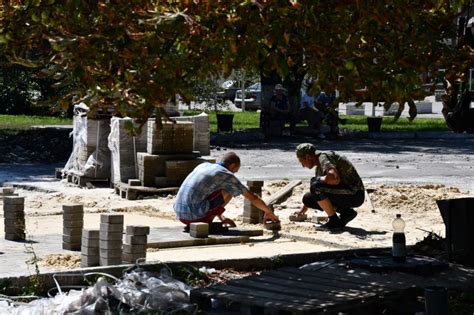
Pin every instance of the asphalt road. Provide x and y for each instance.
(442, 161)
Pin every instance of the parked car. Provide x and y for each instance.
(229, 88)
(253, 97)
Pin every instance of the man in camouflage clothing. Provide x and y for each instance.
(336, 188)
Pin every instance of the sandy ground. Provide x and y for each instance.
(371, 228)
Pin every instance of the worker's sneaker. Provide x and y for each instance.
(186, 229)
(333, 224)
(347, 215)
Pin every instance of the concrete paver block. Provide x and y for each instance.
(110, 236)
(255, 183)
(110, 253)
(133, 249)
(90, 234)
(73, 216)
(136, 239)
(90, 242)
(73, 208)
(71, 246)
(110, 261)
(134, 182)
(132, 258)
(90, 251)
(72, 231)
(110, 245)
(13, 200)
(74, 239)
(111, 218)
(73, 224)
(90, 261)
(14, 216)
(137, 230)
(107, 227)
(8, 190)
(13, 208)
(18, 236)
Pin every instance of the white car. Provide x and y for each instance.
(253, 97)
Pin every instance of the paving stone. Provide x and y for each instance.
(111, 218)
(73, 216)
(8, 190)
(255, 183)
(110, 236)
(90, 251)
(74, 231)
(8, 208)
(90, 234)
(107, 227)
(110, 261)
(73, 208)
(14, 225)
(133, 249)
(15, 236)
(14, 216)
(71, 246)
(75, 239)
(115, 245)
(90, 261)
(13, 200)
(73, 224)
(132, 258)
(137, 230)
(199, 234)
(14, 230)
(90, 242)
(199, 227)
(136, 239)
(110, 253)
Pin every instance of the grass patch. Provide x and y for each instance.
(21, 122)
(244, 120)
(403, 124)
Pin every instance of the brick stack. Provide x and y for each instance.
(14, 214)
(201, 132)
(171, 138)
(199, 229)
(252, 214)
(90, 248)
(123, 147)
(134, 247)
(73, 222)
(110, 239)
(176, 171)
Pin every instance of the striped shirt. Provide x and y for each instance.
(191, 202)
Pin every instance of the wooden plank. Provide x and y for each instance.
(341, 275)
(283, 194)
(318, 294)
(263, 299)
(324, 285)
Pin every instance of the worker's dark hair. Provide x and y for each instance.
(230, 158)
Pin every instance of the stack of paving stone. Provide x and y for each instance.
(252, 214)
(110, 239)
(134, 247)
(73, 222)
(8, 191)
(123, 147)
(90, 248)
(172, 137)
(199, 229)
(202, 133)
(14, 214)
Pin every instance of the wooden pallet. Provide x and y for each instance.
(84, 181)
(133, 192)
(301, 291)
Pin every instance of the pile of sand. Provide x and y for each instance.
(61, 261)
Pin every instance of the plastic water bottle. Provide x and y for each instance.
(399, 249)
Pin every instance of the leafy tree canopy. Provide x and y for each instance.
(134, 56)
